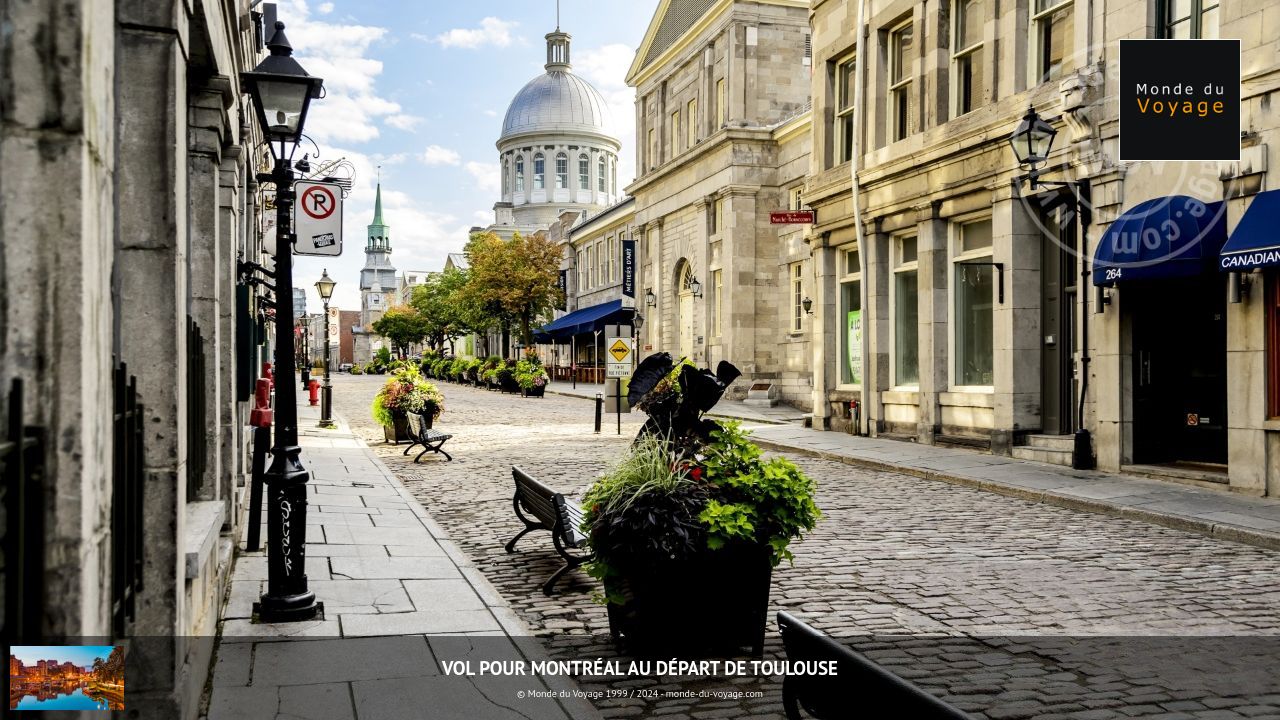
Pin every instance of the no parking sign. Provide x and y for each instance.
(317, 218)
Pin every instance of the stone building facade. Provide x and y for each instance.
(722, 98)
(127, 148)
(956, 303)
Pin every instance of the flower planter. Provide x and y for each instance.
(507, 383)
(535, 391)
(399, 432)
(712, 604)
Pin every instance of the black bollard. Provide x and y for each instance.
(599, 410)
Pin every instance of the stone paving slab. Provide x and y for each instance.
(1255, 521)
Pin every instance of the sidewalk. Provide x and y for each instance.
(729, 409)
(1255, 521)
(400, 599)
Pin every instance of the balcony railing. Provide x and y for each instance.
(22, 468)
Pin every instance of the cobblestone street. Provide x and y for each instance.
(1003, 607)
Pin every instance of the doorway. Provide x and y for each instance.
(1179, 353)
(1058, 313)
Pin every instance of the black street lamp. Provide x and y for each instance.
(1032, 141)
(282, 92)
(324, 286)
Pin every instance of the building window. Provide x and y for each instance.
(675, 133)
(715, 213)
(653, 149)
(850, 319)
(974, 283)
(539, 172)
(843, 130)
(1052, 28)
(793, 198)
(906, 313)
(1184, 19)
(506, 178)
(584, 172)
(600, 173)
(967, 56)
(613, 176)
(901, 44)
(691, 118)
(562, 171)
(591, 268)
(796, 274)
(717, 303)
(602, 266)
(520, 174)
(583, 264)
(721, 99)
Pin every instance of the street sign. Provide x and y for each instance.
(317, 219)
(618, 363)
(619, 350)
(791, 217)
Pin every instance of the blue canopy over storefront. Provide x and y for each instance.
(1165, 237)
(1255, 242)
(583, 320)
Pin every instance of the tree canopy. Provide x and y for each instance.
(402, 326)
(515, 280)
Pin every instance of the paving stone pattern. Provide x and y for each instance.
(1003, 607)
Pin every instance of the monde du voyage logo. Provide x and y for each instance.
(1179, 99)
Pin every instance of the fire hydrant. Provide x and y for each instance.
(314, 388)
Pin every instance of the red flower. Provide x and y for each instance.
(696, 473)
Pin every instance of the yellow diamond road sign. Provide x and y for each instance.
(619, 350)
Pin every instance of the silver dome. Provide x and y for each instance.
(558, 102)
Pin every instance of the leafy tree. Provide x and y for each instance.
(402, 326)
(514, 281)
(445, 305)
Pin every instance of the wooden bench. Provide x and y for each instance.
(420, 433)
(861, 689)
(541, 508)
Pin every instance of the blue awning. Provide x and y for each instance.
(1255, 242)
(1165, 237)
(583, 320)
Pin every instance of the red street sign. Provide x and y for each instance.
(792, 217)
(318, 202)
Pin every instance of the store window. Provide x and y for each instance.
(539, 172)
(906, 313)
(1052, 30)
(1184, 19)
(966, 57)
(850, 319)
(973, 279)
(843, 130)
(901, 108)
(795, 272)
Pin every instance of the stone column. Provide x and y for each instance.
(826, 323)
(56, 304)
(932, 263)
(877, 326)
(1016, 323)
(742, 295)
(204, 162)
(151, 263)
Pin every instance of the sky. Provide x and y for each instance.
(420, 88)
(82, 656)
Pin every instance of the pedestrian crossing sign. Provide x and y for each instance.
(620, 349)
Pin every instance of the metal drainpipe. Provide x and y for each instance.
(854, 162)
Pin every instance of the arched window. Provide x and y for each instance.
(562, 171)
(584, 167)
(506, 177)
(601, 173)
(539, 172)
(520, 173)
(613, 176)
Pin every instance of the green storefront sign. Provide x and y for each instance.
(854, 346)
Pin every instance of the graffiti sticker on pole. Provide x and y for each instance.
(317, 218)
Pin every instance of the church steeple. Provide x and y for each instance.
(379, 234)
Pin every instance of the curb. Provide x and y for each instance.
(1220, 531)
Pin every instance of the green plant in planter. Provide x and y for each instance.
(530, 374)
(356, 370)
(406, 391)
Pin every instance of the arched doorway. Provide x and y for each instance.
(684, 309)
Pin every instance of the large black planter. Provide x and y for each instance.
(714, 604)
(399, 432)
(535, 391)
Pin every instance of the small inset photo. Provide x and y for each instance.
(66, 677)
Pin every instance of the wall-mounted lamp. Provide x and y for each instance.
(1101, 298)
(696, 287)
(1238, 287)
(807, 304)
(649, 298)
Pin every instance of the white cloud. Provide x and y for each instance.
(491, 113)
(488, 178)
(436, 155)
(324, 8)
(492, 31)
(606, 68)
(404, 122)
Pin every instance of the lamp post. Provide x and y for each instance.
(324, 286)
(281, 92)
(1032, 141)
